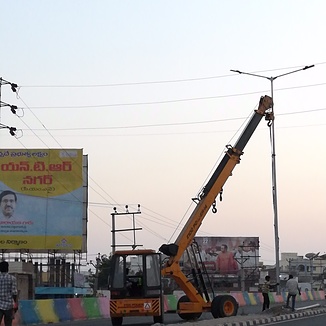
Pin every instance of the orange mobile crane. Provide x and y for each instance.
(139, 293)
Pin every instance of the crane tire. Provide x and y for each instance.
(187, 316)
(224, 306)
(116, 321)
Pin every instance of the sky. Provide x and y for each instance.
(145, 89)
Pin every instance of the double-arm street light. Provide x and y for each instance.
(274, 189)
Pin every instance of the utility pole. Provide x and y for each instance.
(133, 229)
(274, 188)
(12, 130)
(246, 266)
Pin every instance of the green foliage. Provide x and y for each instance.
(104, 271)
(90, 278)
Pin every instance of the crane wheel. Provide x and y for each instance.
(224, 306)
(187, 316)
(158, 319)
(116, 321)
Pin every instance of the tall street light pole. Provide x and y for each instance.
(274, 189)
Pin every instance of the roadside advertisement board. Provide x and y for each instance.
(42, 199)
(227, 255)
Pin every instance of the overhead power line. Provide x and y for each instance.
(91, 187)
(181, 80)
(171, 124)
(170, 101)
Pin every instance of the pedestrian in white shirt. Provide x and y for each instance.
(293, 289)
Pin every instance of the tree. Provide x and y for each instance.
(90, 278)
(104, 268)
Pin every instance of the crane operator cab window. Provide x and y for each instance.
(135, 275)
(134, 282)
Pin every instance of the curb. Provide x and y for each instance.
(266, 320)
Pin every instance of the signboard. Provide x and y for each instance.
(42, 199)
(226, 255)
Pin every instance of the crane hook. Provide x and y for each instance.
(214, 209)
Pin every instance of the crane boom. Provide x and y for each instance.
(141, 294)
(207, 198)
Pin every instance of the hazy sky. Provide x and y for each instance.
(145, 88)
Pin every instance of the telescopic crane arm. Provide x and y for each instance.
(208, 196)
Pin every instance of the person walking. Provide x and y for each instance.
(265, 291)
(8, 294)
(293, 289)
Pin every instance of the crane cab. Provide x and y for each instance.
(135, 285)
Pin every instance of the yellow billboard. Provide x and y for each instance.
(41, 199)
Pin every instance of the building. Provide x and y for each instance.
(24, 273)
(310, 269)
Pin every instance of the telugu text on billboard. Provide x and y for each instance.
(41, 198)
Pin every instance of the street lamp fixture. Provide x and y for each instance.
(274, 188)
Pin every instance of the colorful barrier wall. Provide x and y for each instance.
(246, 298)
(62, 310)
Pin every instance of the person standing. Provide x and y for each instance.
(8, 294)
(265, 291)
(293, 289)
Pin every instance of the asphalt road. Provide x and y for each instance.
(173, 318)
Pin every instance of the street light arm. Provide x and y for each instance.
(291, 72)
(238, 71)
(248, 73)
(272, 78)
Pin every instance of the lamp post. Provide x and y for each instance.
(274, 189)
